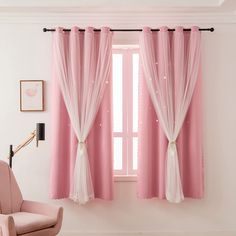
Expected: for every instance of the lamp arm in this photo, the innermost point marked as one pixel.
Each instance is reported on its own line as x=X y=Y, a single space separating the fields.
x=25 y=143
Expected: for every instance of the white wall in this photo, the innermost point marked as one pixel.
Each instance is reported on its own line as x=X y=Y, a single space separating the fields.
x=25 y=53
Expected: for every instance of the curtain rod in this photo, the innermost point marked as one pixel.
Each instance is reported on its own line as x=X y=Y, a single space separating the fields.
x=129 y=30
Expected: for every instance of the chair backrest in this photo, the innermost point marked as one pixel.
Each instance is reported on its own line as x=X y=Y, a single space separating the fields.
x=10 y=195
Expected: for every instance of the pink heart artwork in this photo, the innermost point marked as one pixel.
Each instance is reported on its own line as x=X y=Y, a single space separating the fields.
x=31 y=92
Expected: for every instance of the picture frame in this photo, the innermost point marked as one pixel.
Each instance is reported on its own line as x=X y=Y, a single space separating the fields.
x=31 y=95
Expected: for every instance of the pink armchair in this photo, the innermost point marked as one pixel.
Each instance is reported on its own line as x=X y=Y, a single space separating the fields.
x=26 y=218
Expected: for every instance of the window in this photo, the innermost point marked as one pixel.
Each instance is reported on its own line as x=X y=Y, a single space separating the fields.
x=125 y=111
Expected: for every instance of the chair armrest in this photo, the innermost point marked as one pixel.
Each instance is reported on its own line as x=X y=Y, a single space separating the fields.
x=7 y=226
x=41 y=208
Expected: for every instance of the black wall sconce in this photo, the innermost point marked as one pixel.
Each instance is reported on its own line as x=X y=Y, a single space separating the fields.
x=38 y=133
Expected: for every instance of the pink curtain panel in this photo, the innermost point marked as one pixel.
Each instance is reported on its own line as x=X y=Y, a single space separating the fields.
x=170 y=113
x=81 y=110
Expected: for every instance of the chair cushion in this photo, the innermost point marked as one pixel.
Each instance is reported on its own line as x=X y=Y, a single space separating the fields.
x=28 y=222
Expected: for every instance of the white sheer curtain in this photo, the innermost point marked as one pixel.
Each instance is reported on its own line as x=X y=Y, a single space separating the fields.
x=82 y=64
x=171 y=68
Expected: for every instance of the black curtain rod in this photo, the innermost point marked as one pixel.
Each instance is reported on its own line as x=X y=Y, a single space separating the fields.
x=129 y=30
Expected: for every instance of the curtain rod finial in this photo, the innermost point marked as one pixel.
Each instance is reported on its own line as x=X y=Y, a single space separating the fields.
x=44 y=29
x=212 y=29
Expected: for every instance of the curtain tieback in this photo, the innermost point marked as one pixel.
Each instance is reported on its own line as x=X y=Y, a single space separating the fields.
x=81 y=144
x=172 y=142
x=172 y=148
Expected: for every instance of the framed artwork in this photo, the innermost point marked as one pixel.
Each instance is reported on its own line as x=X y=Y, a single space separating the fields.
x=31 y=95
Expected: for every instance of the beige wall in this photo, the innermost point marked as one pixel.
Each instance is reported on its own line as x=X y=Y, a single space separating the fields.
x=25 y=53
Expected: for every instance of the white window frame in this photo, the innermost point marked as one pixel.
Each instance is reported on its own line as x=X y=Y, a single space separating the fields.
x=127 y=173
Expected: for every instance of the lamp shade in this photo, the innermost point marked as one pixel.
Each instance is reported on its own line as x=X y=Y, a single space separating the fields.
x=40 y=131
